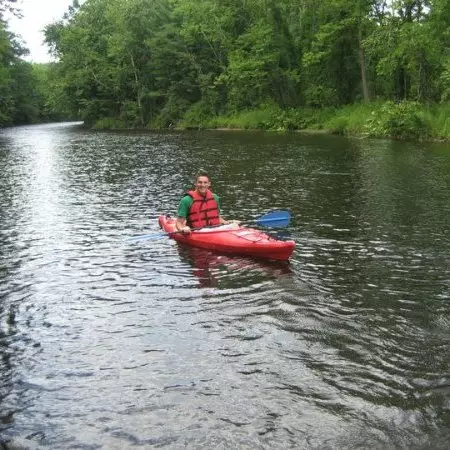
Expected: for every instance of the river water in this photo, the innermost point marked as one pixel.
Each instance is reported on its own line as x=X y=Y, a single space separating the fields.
x=113 y=345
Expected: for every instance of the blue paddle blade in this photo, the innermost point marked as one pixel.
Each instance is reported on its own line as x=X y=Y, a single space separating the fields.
x=275 y=219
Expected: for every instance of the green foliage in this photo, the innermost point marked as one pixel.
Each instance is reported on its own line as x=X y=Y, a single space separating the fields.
x=266 y=117
x=402 y=120
x=250 y=66
x=445 y=81
x=331 y=63
x=20 y=101
x=319 y=96
x=272 y=118
x=171 y=113
x=353 y=119
x=109 y=123
x=198 y=115
x=437 y=118
x=26 y=97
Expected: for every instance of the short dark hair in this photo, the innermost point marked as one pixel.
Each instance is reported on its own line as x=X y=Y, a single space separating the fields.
x=202 y=173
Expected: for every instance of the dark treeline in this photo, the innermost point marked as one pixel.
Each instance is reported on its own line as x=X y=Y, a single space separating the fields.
x=26 y=90
x=162 y=63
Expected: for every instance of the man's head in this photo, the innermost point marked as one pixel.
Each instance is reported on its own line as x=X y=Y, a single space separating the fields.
x=202 y=182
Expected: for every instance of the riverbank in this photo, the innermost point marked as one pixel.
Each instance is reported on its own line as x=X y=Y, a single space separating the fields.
x=402 y=120
x=399 y=120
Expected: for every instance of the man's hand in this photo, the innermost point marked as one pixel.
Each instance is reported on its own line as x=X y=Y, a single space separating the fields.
x=186 y=230
x=181 y=226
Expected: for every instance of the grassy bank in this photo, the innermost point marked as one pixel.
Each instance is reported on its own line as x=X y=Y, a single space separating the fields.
x=401 y=120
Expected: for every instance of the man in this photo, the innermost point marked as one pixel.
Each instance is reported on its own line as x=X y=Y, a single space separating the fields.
x=200 y=207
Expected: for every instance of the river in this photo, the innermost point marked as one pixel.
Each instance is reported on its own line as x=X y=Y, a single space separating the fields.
x=109 y=344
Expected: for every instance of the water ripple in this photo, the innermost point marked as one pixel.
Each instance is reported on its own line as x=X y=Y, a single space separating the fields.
x=107 y=344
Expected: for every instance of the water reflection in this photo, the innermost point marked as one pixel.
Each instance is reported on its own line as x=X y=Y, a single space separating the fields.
x=225 y=271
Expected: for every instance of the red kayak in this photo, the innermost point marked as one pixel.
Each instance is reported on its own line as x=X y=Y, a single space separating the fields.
x=232 y=239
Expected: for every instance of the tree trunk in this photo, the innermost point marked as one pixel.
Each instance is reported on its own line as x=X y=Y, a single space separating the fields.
x=362 y=63
x=138 y=92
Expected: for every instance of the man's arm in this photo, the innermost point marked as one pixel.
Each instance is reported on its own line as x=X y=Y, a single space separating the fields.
x=183 y=210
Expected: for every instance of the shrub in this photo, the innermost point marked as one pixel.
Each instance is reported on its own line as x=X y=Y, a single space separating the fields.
x=197 y=116
x=404 y=120
x=437 y=118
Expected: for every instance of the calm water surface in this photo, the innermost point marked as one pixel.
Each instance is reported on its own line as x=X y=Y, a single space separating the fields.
x=112 y=345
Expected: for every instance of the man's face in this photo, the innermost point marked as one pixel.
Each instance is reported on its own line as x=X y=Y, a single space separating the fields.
x=202 y=184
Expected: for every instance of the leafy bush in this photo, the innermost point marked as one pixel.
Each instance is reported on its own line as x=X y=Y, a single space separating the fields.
x=197 y=116
x=438 y=119
x=130 y=114
x=267 y=117
x=402 y=120
x=338 y=125
x=350 y=119
x=273 y=118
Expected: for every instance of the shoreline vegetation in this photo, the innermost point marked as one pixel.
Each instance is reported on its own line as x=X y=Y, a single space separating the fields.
x=394 y=120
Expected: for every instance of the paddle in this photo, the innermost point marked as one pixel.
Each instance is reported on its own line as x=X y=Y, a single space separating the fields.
x=274 y=219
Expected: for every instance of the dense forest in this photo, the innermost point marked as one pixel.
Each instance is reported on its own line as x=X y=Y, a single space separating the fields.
x=373 y=67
